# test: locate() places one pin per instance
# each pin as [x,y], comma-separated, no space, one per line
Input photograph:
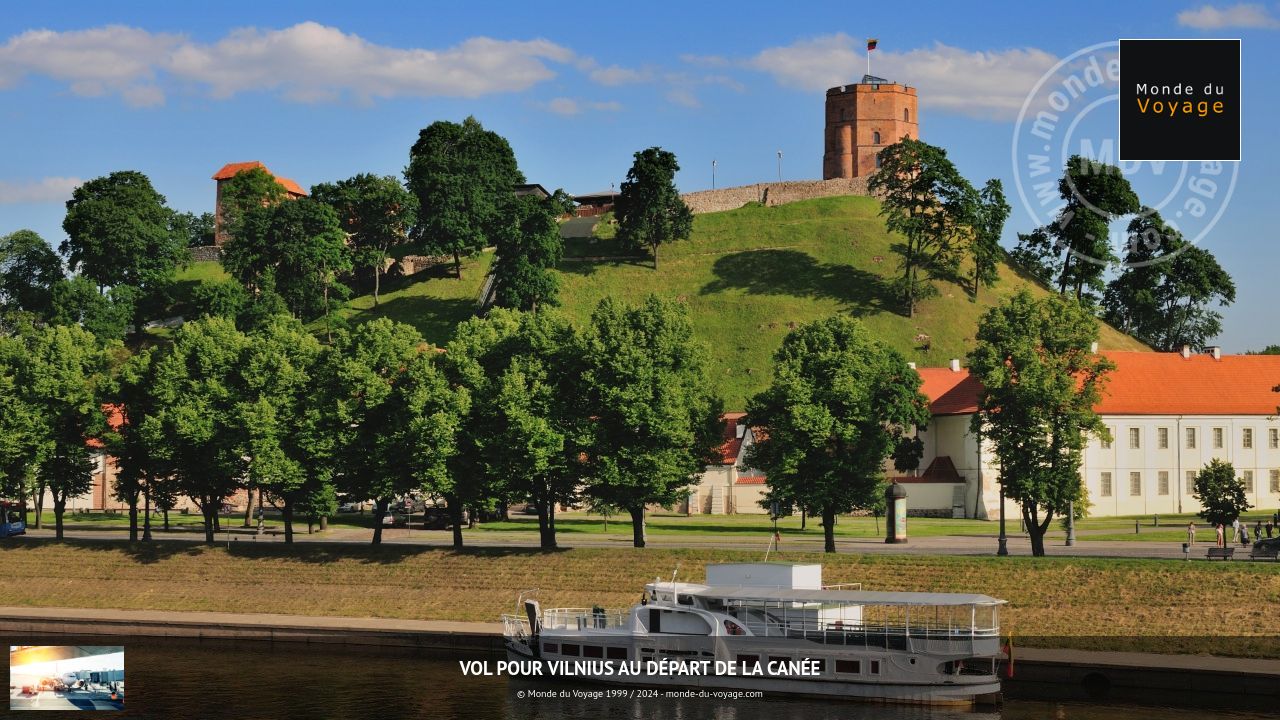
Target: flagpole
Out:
[868,61]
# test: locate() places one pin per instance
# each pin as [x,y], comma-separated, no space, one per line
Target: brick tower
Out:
[862,120]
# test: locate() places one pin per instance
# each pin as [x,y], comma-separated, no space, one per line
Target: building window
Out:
[1162,438]
[1275,481]
[876,137]
[1106,484]
[1106,441]
[879,161]
[1135,483]
[1248,481]
[1191,481]
[1246,438]
[906,115]
[1135,438]
[1191,438]
[1162,482]
[1217,438]
[1273,438]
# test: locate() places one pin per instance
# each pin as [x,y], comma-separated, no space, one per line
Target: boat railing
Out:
[887,635]
[584,619]
[843,586]
[515,627]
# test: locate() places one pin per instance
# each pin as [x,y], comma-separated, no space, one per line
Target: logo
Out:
[1073,110]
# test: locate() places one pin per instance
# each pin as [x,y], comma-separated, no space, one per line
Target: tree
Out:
[649,209]
[841,403]
[225,298]
[28,271]
[23,432]
[988,226]
[1268,350]
[196,420]
[119,232]
[244,192]
[926,200]
[64,374]
[194,230]
[139,459]
[1074,250]
[529,246]
[288,449]
[462,175]
[654,422]
[76,301]
[1220,493]
[1164,294]
[376,213]
[359,380]
[294,250]
[523,437]
[1040,383]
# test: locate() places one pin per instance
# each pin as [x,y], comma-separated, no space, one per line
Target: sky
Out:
[323,91]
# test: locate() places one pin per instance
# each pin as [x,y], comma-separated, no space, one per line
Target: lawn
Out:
[1154,605]
[748,276]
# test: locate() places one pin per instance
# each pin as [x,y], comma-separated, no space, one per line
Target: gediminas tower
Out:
[862,120]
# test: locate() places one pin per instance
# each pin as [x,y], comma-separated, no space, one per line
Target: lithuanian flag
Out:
[871,44]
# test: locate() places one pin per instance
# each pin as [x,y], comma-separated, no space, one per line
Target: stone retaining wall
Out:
[206,253]
[775,193]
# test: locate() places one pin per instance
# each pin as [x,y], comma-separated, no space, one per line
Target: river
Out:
[249,681]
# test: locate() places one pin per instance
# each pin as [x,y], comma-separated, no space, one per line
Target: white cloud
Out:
[44,190]
[569,106]
[615,75]
[1244,15]
[307,62]
[989,85]
[683,96]
[95,62]
[705,60]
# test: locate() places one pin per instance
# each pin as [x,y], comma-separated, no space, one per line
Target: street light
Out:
[1004,539]
[713,174]
[779,166]
[1071,523]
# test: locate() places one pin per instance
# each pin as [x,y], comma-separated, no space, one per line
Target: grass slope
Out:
[1156,605]
[749,275]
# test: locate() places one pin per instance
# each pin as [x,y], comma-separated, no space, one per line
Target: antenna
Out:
[674,600]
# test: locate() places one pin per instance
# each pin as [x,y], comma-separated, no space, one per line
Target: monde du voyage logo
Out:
[1179,100]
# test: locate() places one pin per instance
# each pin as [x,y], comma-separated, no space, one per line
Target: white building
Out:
[1169,415]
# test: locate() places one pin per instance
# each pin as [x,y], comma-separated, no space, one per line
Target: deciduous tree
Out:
[462,175]
[529,247]
[1220,493]
[1040,383]
[28,271]
[655,423]
[988,226]
[649,209]
[376,213]
[841,403]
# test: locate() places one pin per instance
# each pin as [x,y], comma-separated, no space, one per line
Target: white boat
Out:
[762,620]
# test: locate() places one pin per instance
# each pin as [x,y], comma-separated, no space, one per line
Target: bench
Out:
[1222,553]
[1265,553]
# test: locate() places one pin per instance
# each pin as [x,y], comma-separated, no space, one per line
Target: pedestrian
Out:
[1221,532]
[1257,531]
[1244,534]
[1235,531]
[1191,533]
[1270,527]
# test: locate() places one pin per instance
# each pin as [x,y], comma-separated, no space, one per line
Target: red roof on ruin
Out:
[1146,383]
[230,170]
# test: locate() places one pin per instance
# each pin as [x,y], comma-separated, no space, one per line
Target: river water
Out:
[250,681]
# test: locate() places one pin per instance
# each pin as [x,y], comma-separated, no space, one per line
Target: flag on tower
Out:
[871,44]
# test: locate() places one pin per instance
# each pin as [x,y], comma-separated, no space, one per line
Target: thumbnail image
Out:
[66,677]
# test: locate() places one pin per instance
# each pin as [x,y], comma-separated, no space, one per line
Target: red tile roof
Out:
[750,480]
[941,470]
[230,170]
[115,419]
[732,442]
[1147,383]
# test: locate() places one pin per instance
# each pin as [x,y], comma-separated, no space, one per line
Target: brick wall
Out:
[774,193]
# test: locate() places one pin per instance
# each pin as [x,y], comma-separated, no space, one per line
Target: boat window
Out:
[875,667]
[615,653]
[569,649]
[551,647]
[686,600]
[747,662]
[592,651]
[733,628]
[819,664]
[849,667]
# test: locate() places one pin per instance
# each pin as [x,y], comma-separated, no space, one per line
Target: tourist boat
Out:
[761,621]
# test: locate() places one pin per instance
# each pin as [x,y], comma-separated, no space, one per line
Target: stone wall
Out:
[774,193]
[205,253]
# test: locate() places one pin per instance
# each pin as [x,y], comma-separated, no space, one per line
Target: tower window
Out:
[906,115]
[879,161]
[876,137]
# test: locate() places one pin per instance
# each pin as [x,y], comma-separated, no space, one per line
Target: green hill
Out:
[748,276]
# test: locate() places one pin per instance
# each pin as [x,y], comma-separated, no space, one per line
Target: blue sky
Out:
[321,92]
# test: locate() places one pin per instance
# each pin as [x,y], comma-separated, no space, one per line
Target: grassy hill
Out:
[748,276]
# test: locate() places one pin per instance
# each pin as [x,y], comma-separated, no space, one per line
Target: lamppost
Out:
[779,166]
[1004,539]
[713,174]
[1071,523]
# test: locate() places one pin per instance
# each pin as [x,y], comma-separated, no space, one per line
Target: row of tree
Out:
[523,407]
